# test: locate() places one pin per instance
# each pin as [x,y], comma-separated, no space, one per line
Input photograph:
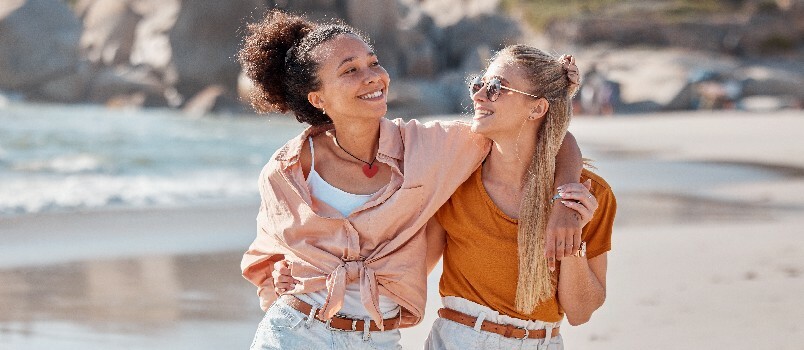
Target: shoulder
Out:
[433,125]
[599,185]
[598,231]
[438,133]
[295,150]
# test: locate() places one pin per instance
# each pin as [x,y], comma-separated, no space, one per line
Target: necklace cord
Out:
[353,156]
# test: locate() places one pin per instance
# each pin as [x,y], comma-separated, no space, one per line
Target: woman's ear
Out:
[316,100]
[539,109]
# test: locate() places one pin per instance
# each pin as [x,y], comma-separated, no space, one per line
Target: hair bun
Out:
[264,55]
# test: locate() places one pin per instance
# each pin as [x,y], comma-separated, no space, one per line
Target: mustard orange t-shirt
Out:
[481,263]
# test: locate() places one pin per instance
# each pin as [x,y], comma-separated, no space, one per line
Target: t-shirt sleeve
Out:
[597,233]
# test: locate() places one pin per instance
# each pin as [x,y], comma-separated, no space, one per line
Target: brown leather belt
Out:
[339,322]
[505,330]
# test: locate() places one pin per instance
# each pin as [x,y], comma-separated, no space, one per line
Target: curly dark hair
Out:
[277,56]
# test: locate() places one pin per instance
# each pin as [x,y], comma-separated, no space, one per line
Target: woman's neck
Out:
[360,138]
[510,158]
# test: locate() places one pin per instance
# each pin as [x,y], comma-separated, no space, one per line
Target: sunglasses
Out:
[493,88]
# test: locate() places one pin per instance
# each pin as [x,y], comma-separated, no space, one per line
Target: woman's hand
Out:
[283,281]
[577,197]
[563,237]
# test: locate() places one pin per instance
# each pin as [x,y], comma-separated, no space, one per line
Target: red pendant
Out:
[370,171]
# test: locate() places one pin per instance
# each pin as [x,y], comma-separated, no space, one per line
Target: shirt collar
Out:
[390,141]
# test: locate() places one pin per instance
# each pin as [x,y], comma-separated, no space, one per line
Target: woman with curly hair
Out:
[346,202]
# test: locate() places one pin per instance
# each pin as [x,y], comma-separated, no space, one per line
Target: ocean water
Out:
[63,158]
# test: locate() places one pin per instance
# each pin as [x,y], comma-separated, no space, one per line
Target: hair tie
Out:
[574,76]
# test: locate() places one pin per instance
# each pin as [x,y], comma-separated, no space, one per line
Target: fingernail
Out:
[552,269]
[565,203]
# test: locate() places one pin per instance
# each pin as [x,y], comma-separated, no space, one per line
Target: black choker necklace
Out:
[368,168]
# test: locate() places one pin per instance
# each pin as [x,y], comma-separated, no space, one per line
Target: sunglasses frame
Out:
[493,96]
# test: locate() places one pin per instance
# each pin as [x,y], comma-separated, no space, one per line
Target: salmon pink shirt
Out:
[381,245]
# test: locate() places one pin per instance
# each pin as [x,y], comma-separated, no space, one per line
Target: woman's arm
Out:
[436,240]
[582,281]
[582,287]
[563,225]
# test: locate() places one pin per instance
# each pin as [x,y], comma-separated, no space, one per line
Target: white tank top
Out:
[345,203]
[341,200]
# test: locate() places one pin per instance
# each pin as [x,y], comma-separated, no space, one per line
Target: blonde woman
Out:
[498,291]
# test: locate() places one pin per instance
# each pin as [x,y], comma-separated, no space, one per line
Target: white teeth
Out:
[484,112]
[375,94]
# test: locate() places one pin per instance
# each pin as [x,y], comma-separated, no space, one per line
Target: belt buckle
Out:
[527,333]
[354,326]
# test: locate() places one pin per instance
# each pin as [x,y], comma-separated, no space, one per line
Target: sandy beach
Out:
[705,252]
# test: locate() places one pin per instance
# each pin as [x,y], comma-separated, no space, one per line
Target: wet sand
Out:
[706,252]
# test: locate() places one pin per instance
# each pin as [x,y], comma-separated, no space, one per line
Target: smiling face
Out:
[511,110]
[353,84]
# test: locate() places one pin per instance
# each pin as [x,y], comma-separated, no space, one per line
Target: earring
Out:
[323,111]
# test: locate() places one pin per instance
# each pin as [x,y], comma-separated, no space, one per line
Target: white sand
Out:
[46,239]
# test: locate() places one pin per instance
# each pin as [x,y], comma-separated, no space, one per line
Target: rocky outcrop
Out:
[465,37]
[109,31]
[205,39]
[168,52]
[39,44]
[379,19]
[181,54]
[762,32]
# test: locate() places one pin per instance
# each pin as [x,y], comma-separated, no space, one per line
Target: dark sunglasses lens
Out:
[493,90]
[476,85]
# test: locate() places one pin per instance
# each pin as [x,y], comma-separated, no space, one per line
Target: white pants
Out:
[283,327]
[449,335]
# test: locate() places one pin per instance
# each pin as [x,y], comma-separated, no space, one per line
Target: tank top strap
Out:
[312,153]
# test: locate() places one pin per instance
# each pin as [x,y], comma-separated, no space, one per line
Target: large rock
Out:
[464,37]
[419,55]
[773,33]
[448,12]
[205,39]
[379,19]
[68,88]
[109,31]
[152,46]
[759,80]
[39,42]
[761,33]
[115,83]
[411,98]
[318,10]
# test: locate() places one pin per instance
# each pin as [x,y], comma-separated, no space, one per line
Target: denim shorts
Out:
[284,327]
[449,335]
